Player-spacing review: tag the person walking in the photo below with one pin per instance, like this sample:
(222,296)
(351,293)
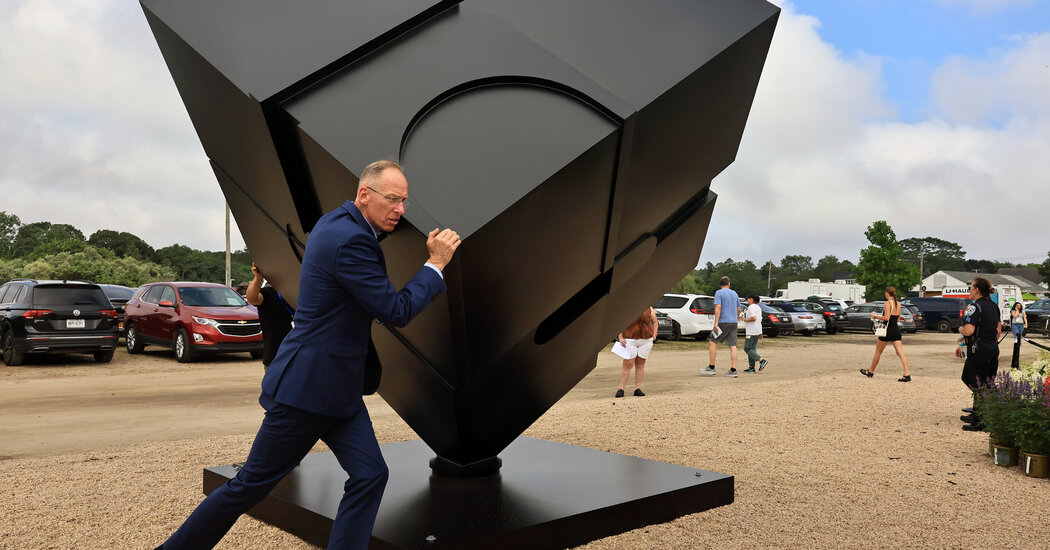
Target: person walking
(637,339)
(727,313)
(981,328)
(891,313)
(753,334)
(1018,325)
(275,314)
(313,388)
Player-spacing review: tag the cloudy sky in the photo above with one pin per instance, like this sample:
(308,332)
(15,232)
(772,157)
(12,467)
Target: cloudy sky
(931,114)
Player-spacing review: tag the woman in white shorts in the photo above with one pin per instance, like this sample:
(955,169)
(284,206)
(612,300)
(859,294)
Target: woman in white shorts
(638,339)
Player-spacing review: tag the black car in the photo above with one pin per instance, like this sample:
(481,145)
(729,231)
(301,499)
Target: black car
(775,321)
(118,296)
(834,316)
(665,328)
(56,316)
(1039,316)
(916,313)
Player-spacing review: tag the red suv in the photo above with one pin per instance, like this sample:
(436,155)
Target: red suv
(192,318)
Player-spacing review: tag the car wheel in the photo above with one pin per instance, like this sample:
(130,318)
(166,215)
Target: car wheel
(257,354)
(103,356)
(12,357)
(131,339)
(701,336)
(676,332)
(944,326)
(183,347)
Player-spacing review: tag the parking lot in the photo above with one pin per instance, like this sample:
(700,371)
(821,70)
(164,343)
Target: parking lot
(61,404)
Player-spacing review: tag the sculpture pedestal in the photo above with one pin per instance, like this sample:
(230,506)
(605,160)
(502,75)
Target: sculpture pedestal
(547,495)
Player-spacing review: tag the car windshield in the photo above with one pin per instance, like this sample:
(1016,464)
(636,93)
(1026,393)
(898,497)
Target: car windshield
(210,296)
(70,295)
(671,302)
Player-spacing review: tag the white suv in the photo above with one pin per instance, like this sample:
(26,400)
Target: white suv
(691,314)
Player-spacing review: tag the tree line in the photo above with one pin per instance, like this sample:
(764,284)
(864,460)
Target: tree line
(44,250)
(886,262)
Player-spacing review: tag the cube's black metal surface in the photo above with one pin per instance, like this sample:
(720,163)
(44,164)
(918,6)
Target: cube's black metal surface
(571,143)
(591,494)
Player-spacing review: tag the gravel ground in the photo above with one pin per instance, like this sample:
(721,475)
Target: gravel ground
(822,458)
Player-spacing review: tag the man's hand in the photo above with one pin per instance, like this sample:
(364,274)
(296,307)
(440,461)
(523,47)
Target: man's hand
(441,244)
(254,295)
(256,273)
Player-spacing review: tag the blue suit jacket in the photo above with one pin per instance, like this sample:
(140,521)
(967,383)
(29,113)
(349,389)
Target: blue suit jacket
(343,285)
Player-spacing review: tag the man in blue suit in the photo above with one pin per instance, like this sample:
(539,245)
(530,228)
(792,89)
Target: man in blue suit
(312,390)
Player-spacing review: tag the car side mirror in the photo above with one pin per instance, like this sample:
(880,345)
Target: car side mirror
(166,303)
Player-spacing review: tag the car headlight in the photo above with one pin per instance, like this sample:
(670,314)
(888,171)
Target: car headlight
(203,321)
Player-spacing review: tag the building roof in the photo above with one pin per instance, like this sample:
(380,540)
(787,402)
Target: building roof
(1028,273)
(956,278)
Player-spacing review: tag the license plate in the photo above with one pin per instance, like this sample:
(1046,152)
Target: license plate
(74,323)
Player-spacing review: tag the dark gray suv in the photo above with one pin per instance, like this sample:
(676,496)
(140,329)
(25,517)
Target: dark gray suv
(56,316)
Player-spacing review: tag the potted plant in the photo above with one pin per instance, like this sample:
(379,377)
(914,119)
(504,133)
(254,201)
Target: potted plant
(1000,405)
(1033,433)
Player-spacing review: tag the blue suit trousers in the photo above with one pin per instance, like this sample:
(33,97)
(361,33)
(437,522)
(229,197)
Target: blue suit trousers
(286,436)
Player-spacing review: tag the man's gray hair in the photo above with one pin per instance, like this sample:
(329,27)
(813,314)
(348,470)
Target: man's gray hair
(724,281)
(370,175)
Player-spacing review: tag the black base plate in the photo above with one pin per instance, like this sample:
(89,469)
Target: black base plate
(547,495)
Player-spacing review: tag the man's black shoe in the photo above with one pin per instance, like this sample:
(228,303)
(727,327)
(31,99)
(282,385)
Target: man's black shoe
(973,427)
(969,418)
(968,410)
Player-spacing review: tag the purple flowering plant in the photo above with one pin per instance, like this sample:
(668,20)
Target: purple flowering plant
(1003,404)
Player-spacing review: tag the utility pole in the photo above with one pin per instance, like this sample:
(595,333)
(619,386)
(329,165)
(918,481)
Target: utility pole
(228,281)
(922,252)
(769,278)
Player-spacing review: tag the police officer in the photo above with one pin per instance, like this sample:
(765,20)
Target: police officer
(981,329)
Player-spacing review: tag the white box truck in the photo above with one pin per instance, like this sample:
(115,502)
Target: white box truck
(804,289)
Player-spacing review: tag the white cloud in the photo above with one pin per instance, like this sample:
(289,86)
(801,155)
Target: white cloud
(92,130)
(984,6)
(821,159)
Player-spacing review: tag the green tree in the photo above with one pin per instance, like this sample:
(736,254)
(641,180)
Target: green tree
(980,266)
(881,264)
(38,239)
(122,243)
(828,266)
(9,225)
(796,268)
(1044,269)
(937,254)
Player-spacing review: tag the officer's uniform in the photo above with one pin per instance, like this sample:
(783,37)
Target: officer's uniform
(982,347)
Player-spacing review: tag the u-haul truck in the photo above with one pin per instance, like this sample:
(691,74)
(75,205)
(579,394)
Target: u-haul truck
(1005,297)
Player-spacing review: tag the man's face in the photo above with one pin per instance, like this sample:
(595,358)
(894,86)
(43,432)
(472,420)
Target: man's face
(383,203)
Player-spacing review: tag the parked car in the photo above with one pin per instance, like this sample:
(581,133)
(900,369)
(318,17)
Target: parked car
(916,313)
(941,314)
(664,326)
(841,303)
(56,316)
(118,296)
(860,317)
(193,319)
(834,316)
(1039,316)
(804,321)
(691,314)
(775,321)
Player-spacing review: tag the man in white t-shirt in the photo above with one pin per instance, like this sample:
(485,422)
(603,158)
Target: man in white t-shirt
(753,333)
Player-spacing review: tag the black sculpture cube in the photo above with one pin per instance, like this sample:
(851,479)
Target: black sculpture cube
(571,143)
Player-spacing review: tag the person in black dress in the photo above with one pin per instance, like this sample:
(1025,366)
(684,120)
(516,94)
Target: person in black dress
(891,313)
